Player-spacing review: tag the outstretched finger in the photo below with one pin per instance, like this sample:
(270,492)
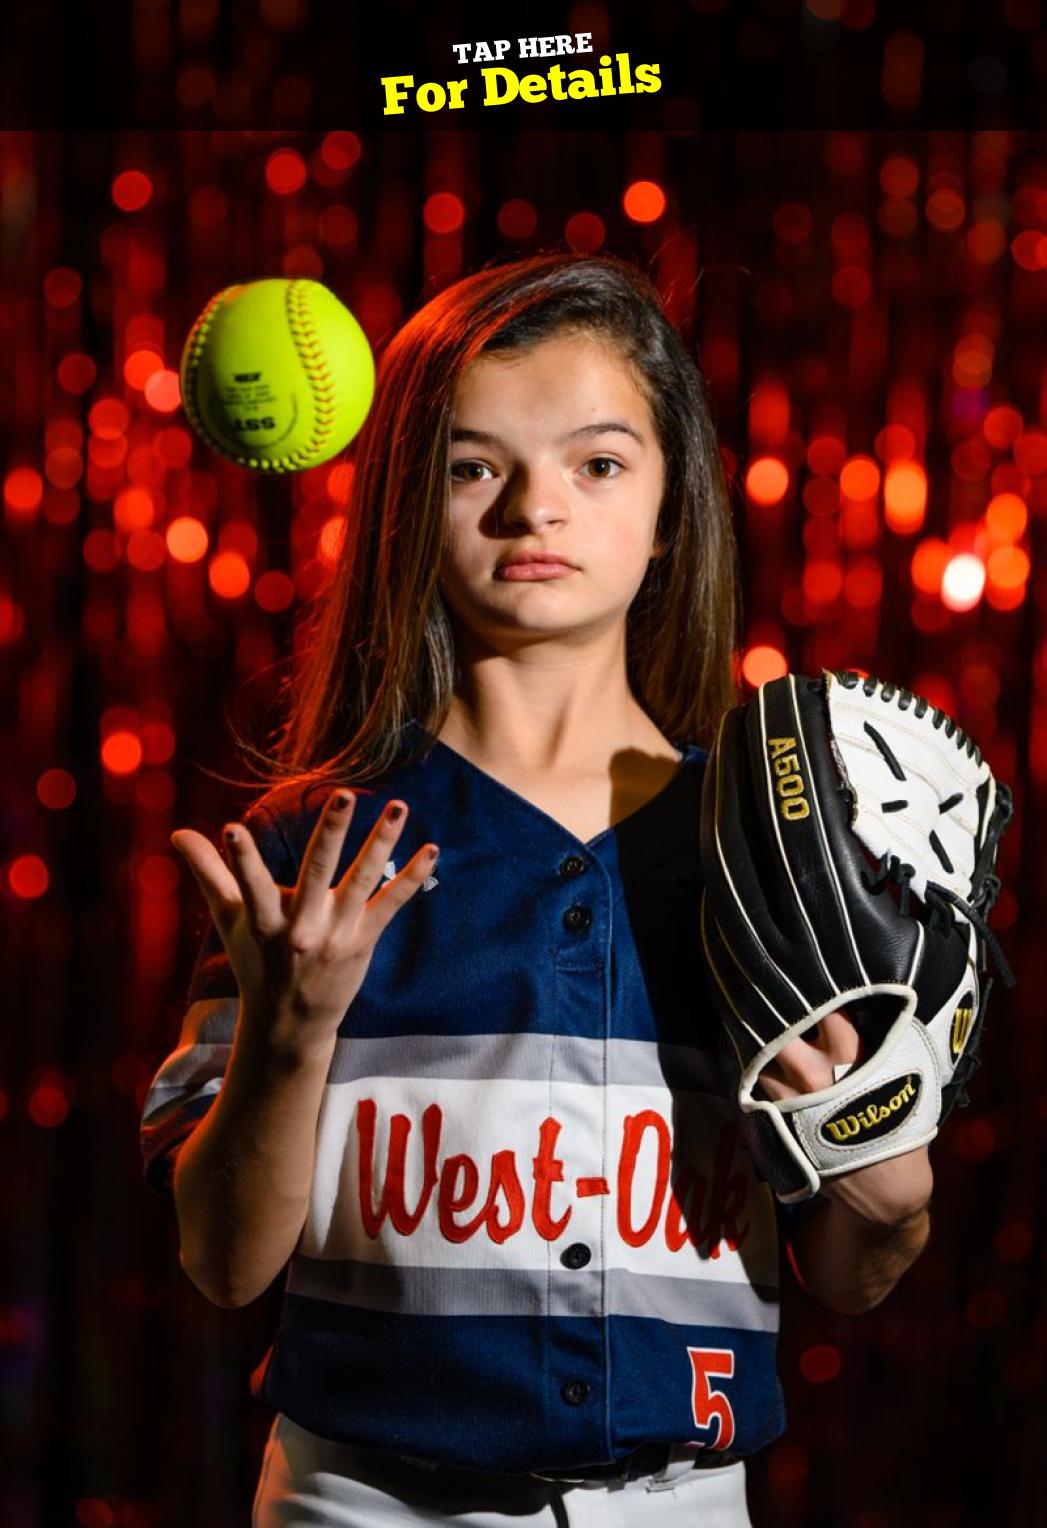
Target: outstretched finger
(322,852)
(256,887)
(392,895)
(366,871)
(213,876)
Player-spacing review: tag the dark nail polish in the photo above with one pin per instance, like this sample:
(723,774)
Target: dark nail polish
(341,801)
(395,813)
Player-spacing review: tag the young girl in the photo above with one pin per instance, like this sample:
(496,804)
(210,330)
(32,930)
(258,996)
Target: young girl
(449,1056)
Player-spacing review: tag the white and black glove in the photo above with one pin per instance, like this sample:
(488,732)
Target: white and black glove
(848,844)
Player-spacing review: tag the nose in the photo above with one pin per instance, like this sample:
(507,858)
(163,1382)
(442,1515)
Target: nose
(534,496)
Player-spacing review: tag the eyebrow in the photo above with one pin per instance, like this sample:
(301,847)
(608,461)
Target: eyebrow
(602,427)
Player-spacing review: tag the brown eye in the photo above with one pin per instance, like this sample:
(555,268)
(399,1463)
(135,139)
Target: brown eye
(460,467)
(607,461)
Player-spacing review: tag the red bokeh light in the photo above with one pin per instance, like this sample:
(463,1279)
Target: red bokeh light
(132,190)
(23,491)
(229,575)
(1029,250)
(285,172)
(1002,426)
(332,538)
(274,591)
(62,286)
(145,550)
(944,210)
(140,366)
(340,151)
(860,478)
(56,789)
(1007,567)
(820,1363)
(48,1104)
(585,232)
(644,201)
(767,480)
(1006,516)
(905,497)
(64,467)
(133,509)
(158,742)
(826,454)
(121,753)
(443,212)
(762,663)
(187,539)
(28,877)
(109,418)
(162,391)
(517,219)
(821,496)
(895,443)
(899,175)
(76,372)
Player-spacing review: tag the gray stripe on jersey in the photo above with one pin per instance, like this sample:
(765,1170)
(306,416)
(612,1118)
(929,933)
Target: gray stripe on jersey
(539,1292)
(526,1057)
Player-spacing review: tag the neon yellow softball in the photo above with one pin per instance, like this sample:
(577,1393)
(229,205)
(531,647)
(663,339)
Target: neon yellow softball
(276,375)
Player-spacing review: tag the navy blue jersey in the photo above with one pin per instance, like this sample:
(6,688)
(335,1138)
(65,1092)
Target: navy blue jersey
(534,1238)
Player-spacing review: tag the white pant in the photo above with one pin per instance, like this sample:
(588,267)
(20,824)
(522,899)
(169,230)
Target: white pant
(312,1482)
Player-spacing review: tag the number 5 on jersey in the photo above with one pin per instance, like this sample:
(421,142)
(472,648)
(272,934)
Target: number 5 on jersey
(707,1403)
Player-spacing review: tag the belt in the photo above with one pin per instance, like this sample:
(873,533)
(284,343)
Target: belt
(646,1460)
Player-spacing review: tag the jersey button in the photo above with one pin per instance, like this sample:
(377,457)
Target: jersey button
(572,865)
(577,917)
(575,1256)
(575,1392)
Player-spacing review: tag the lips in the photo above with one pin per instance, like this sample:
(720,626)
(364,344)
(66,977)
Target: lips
(533,570)
(535,559)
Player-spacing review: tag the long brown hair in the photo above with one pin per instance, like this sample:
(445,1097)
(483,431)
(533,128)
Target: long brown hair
(379,648)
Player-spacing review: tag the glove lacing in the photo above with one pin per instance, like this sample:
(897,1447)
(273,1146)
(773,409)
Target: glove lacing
(940,897)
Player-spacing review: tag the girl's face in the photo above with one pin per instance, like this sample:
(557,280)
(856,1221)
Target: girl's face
(552,449)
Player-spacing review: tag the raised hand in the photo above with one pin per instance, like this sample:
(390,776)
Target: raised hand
(300,953)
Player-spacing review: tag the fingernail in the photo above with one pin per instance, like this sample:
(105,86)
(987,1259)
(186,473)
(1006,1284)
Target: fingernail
(341,801)
(395,813)
(230,835)
(432,855)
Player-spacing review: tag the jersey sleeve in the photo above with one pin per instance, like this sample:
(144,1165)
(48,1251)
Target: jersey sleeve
(190,1079)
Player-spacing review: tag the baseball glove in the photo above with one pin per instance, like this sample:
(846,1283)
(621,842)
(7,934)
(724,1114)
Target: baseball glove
(848,841)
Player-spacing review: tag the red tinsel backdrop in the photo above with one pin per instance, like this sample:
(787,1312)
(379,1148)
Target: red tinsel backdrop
(869,310)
